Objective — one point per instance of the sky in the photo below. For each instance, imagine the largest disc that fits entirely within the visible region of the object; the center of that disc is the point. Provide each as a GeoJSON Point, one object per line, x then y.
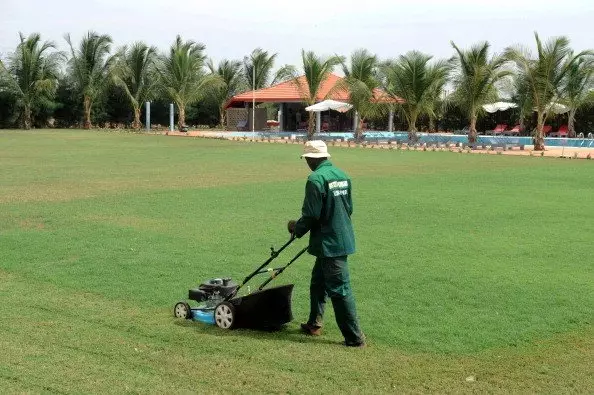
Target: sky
{"type": "Point", "coordinates": [233, 28]}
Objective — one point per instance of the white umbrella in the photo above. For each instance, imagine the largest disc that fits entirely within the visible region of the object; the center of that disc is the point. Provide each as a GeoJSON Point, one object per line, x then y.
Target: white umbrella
{"type": "Point", "coordinates": [329, 105]}
{"type": "Point", "coordinates": [499, 106]}
{"type": "Point", "coordinates": [557, 108]}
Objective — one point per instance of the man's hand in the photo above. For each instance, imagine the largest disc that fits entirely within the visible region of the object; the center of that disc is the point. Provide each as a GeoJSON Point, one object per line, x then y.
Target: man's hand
{"type": "Point", "coordinates": [291, 226]}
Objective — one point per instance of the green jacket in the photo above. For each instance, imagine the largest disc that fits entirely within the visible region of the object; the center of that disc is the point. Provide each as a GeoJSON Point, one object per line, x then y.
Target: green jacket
{"type": "Point", "coordinates": [326, 213]}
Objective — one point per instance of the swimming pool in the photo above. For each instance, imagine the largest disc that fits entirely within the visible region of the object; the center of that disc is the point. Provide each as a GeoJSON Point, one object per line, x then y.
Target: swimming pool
{"type": "Point", "coordinates": [433, 138]}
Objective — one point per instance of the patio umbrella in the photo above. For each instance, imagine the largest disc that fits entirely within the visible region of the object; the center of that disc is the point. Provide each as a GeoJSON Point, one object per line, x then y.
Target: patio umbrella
{"type": "Point", "coordinates": [499, 106]}
{"type": "Point", "coordinates": [557, 108]}
{"type": "Point", "coordinates": [329, 105]}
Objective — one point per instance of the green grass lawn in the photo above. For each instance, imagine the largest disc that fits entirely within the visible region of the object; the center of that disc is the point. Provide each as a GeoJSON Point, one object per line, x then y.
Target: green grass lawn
{"type": "Point", "coordinates": [467, 265]}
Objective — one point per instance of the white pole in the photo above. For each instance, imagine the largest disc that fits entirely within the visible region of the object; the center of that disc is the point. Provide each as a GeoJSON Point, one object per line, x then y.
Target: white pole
{"type": "Point", "coordinates": [318, 122]}
{"type": "Point", "coordinates": [171, 116]}
{"type": "Point", "coordinates": [148, 115]}
{"type": "Point", "coordinates": [253, 98]}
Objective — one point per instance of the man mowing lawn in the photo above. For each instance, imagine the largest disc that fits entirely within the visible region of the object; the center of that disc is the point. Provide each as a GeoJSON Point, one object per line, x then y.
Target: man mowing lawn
{"type": "Point", "coordinates": [326, 214]}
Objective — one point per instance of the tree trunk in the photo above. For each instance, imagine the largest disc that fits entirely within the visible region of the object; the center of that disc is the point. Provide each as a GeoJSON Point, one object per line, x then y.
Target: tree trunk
{"type": "Point", "coordinates": [27, 116]}
{"type": "Point", "coordinates": [311, 125]}
{"type": "Point", "coordinates": [136, 124]}
{"type": "Point", "coordinates": [181, 119]}
{"type": "Point", "coordinates": [87, 114]}
{"type": "Point", "coordinates": [538, 133]}
{"type": "Point", "coordinates": [356, 126]}
{"type": "Point", "coordinates": [571, 123]}
{"type": "Point", "coordinates": [360, 122]}
{"type": "Point", "coordinates": [412, 128]}
{"type": "Point", "coordinates": [432, 124]}
{"type": "Point", "coordinates": [472, 132]}
{"type": "Point", "coordinates": [222, 117]}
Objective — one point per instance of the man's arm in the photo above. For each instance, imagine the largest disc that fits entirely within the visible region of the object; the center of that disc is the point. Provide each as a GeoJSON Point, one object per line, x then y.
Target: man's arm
{"type": "Point", "coordinates": [312, 208]}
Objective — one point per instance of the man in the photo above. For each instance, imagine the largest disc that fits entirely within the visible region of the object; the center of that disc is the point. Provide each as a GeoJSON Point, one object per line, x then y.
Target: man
{"type": "Point", "coordinates": [326, 214]}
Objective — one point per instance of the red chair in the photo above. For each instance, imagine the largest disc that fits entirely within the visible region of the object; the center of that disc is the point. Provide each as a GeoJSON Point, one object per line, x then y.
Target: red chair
{"type": "Point", "coordinates": [563, 131]}
{"type": "Point", "coordinates": [499, 129]}
{"type": "Point", "coordinates": [302, 126]}
{"type": "Point", "coordinates": [547, 129]}
{"type": "Point", "coordinates": [516, 130]}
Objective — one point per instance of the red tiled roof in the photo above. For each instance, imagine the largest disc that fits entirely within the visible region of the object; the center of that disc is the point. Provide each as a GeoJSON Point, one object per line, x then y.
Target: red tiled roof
{"type": "Point", "coordinates": [288, 91]}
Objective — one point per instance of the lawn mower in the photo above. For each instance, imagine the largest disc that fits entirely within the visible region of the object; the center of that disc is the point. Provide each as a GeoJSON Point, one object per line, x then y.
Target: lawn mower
{"type": "Point", "coordinates": [219, 303]}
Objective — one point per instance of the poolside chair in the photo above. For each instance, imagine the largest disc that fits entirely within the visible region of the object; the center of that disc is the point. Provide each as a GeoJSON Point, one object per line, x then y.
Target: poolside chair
{"type": "Point", "coordinates": [499, 129]}
{"type": "Point", "coordinates": [547, 129]}
{"type": "Point", "coordinates": [516, 130]}
{"type": "Point", "coordinates": [563, 131]}
{"type": "Point", "coordinates": [302, 127]}
{"type": "Point", "coordinates": [464, 130]}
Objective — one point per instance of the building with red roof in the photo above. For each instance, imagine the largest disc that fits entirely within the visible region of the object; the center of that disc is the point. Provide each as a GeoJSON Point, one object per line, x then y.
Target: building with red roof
{"type": "Point", "coordinates": [289, 96]}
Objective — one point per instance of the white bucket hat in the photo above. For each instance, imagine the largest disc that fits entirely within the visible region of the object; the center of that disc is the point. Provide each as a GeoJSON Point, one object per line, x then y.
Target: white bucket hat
{"type": "Point", "coordinates": [315, 149]}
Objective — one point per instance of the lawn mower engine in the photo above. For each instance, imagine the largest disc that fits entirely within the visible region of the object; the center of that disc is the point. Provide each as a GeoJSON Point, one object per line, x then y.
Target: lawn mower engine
{"type": "Point", "coordinates": [213, 291]}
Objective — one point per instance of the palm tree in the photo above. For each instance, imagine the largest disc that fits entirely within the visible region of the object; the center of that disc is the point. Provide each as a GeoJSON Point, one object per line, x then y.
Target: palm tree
{"type": "Point", "coordinates": [32, 74]}
{"type": "Point", "coordinates": [89, 69]}
{"type": "Point", "coordinates": [577, 88]}
{"type": "Point", "coordinates": [182, 76]}
{"type": "Point", "coordinates": [411, 78]}
{"type": "Point", "coordinates": [258, 68]}
{"type": "Point", "coordinates": [231, 81]}
{"type": "Point", "coordinates": [541, 77]}
{"type": "Point", "coordinates": [283, 74]}
{"type": "Point", "coordinates": [360, 81]}
{"type": "Point", "coordinates": [316, 70]}
{"type": "Point", "coordinates": [134, 72]}
{"type": "Point", "coordinates": [475, 81]}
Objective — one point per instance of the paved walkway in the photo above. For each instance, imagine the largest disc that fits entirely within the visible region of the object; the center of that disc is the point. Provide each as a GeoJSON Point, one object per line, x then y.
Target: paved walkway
{"type": "Point", "coordinates": [556, 152]}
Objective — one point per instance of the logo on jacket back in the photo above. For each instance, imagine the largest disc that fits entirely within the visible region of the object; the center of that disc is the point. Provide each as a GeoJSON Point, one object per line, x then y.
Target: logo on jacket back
{"type": "Point", "coordinates": [338, 188]}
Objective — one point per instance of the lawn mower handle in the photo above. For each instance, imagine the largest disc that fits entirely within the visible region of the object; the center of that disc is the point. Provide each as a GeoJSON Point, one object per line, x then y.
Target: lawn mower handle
{"type": "Point", "coordinates": [273, 255]}
{"type": "Point", "coordinates": [278, 271]}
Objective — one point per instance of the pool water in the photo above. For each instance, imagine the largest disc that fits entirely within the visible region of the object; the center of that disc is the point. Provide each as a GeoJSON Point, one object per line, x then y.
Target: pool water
{"type": "Point", "coordinates": [432, 138]}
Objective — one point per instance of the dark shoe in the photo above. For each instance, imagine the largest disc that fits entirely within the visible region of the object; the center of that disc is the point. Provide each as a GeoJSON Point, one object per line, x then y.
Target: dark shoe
{"type": "Point", "coordinates": [311, 330]}
{"type": "Point", "coordinates": [360, 344]}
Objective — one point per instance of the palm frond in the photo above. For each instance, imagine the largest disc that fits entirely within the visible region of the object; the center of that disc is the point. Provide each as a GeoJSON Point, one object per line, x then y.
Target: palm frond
{"type": "Point", "coordinates": [258, 66]}
{"type": "Point", "coordinates": [284, 73]}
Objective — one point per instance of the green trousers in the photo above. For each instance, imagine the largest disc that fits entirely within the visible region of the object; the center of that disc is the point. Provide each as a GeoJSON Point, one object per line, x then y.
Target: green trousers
{"type": "Point", "coordinates": [330, 277]}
